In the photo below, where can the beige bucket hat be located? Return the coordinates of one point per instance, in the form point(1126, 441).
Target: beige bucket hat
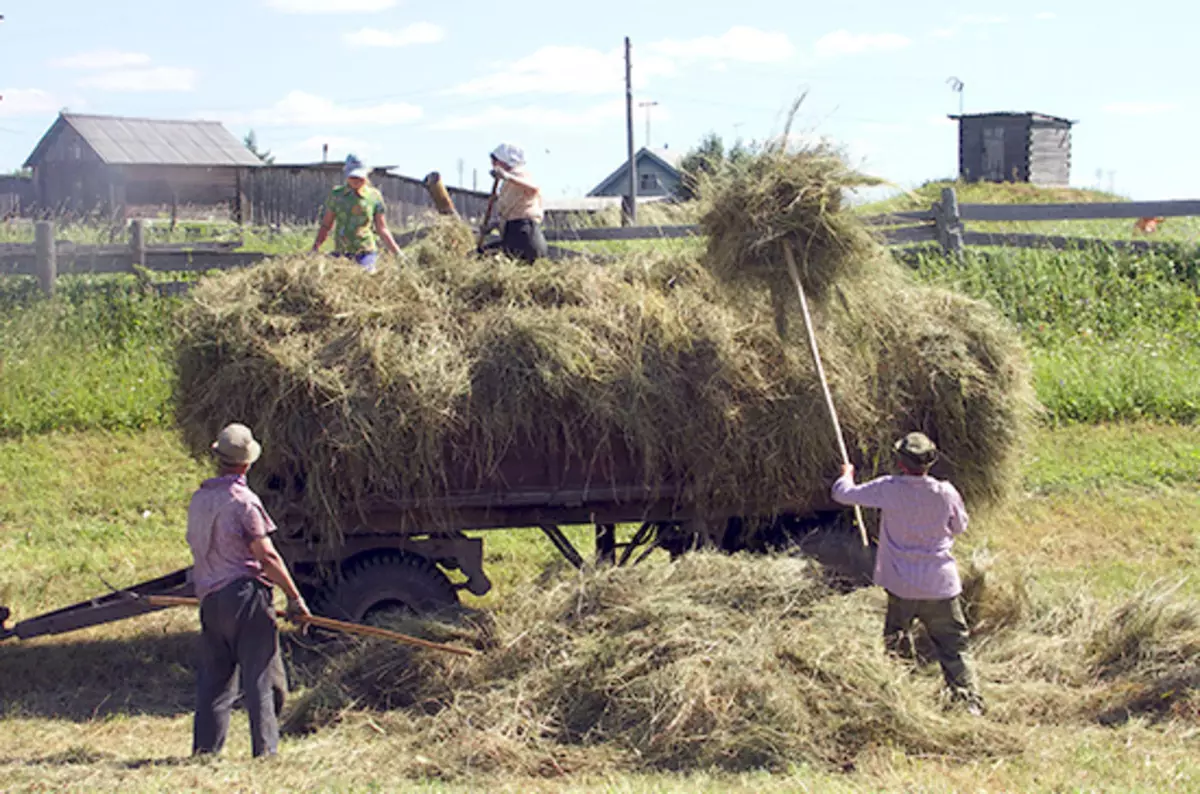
point(236, 445)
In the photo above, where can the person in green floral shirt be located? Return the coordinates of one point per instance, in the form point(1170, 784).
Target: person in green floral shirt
point(355, 212)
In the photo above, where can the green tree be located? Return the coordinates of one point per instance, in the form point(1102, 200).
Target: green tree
point(709, 158)
point(251, 141)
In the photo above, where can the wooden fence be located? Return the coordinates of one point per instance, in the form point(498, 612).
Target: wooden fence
point(943, 224)
point(283, 195)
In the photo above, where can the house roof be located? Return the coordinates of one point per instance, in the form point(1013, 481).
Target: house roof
point(1014, 114)
point(132, 141)
point(666, 158)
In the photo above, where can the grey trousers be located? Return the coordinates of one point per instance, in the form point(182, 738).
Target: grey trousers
point(947, 629)
point(238, 633)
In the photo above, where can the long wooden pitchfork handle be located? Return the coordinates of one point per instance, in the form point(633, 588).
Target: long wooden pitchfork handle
point(487, 215)
point(327, 623)
point(816, 355)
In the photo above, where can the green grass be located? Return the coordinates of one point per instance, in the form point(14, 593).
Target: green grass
point(98, 355)
point(1113, 336)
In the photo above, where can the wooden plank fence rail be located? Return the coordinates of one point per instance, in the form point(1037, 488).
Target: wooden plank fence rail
point(1078, 212)
point(942, 223)
point(47, 258)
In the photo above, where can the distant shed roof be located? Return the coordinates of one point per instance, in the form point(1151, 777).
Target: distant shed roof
point(1015, 114)
point(129, 141)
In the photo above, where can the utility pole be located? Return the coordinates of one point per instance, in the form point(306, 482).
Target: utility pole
point(460, 172)
point(629, 217)
point(647, 106)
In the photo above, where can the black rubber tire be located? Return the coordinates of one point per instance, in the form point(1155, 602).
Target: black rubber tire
point(386, 580)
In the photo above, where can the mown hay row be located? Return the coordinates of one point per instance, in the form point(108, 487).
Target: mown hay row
point(751, 662)
point(712, 662)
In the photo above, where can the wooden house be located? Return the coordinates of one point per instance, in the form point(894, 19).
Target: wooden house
point(657, 171)
point(84, 162)
point(1014, 147)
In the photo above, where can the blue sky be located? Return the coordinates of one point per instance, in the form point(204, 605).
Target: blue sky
point(422, 86)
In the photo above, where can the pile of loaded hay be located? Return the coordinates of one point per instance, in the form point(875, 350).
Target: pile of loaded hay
point(715, 662)
point(425, 377)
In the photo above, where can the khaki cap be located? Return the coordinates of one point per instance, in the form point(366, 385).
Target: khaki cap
point(235, 444)
point(917, 449)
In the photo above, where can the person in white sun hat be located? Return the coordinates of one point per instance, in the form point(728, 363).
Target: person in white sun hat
point(235, 564)
point(518, 206)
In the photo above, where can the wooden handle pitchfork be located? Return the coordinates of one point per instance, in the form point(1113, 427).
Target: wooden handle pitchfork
point(326, 623)
point(816, 354)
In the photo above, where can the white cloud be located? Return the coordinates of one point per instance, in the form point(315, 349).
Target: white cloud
point(943, 33)
point(155, 79)
point(1140, 108)
point(843, 42)
point(737, 44)
point(537, 116)
point(418, 33)
point(301, 109)
point(983, 19)
point(564, 70)
point(27, 102)
point(102, 59)
point(1045, 15)
point(330, 6)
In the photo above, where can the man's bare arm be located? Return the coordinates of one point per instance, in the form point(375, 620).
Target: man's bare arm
point(275, 569)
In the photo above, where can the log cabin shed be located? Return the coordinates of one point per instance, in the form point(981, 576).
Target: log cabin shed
point(1014, 147)
point(84, 162)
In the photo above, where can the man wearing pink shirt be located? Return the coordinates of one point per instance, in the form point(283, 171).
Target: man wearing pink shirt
point(920, 517)
point(235, 564)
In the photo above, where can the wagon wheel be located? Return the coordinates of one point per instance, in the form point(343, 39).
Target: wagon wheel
point(386, 582)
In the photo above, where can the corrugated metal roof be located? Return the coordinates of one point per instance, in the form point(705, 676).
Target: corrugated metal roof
point(129, 141)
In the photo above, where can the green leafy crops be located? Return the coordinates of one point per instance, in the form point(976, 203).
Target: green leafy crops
point(97, 355)
point(1114, 336)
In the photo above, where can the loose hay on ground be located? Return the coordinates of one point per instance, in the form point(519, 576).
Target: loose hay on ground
point(751, 662)
point(712, 662)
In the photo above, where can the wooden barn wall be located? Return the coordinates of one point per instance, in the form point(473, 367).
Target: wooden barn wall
point(1050, 154)
point(994, 149)
point(285, 195)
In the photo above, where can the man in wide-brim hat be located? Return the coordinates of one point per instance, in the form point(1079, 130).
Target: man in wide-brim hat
point(235, 565)
point(921, 515)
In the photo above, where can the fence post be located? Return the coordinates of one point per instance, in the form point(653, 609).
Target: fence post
point(137, 242)
point(47, 262)
point(949, 223)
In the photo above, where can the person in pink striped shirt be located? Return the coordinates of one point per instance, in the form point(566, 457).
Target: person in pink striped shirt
point(921, 516)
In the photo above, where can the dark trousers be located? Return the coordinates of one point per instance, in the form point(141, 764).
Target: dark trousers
point(238, 633)
point(947, 629)
point(521, 240)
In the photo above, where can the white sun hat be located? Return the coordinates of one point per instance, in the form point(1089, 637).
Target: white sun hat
point(510, 154)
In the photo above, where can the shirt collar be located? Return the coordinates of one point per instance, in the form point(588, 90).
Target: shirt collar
point(225, 480)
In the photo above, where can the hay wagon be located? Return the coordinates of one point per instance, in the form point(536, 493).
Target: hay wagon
point(402, 553)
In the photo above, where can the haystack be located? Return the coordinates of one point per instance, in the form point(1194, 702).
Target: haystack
point(733, 663)
point(426, 377)
point(749, 662)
